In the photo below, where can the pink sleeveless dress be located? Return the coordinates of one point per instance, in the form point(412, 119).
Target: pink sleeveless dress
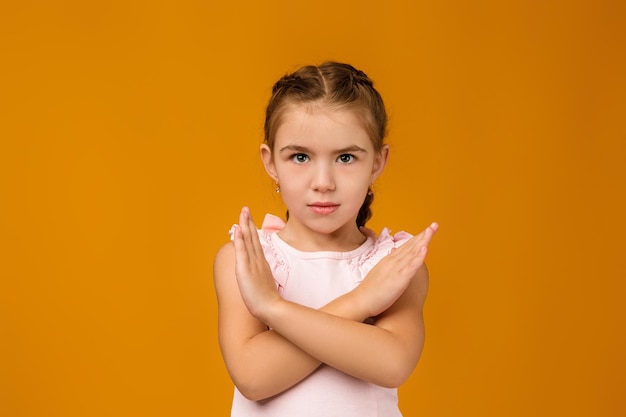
point(314, 279)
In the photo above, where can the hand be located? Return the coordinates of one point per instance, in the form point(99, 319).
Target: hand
point(388, 280)
point(254, 276)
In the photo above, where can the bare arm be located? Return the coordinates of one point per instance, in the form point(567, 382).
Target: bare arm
point(384, 354)
point(263, 363)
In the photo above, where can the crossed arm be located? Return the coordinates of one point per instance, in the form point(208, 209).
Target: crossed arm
point(263, 362)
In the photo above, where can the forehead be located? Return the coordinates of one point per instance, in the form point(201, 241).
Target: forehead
point(316, 126)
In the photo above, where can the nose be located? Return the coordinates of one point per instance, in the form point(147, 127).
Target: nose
point(323, 178)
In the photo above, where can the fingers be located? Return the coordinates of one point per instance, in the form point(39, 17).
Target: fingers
point(412, 254)
point(241, 254)
point(256, 242)
point(424, 238)
point(428, 233)
point(244, 226)
point(415, 262)
point(421, 245)
point(241, 239)
point(420, 240)
point(249, 234)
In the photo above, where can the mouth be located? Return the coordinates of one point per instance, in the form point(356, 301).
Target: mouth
point(323, 207)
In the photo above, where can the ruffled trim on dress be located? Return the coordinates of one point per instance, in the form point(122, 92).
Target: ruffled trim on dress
point(383, 245)
point(271, 225)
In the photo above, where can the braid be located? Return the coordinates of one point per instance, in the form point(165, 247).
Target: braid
point(365, 212)
point(359, 77)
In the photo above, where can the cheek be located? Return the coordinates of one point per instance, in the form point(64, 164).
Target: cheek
point(358, 180)
point(355, 188)
point(283, 174)
point(291, 186)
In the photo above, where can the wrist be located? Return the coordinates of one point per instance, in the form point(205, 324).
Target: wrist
point(273, 311)
point(354, 306)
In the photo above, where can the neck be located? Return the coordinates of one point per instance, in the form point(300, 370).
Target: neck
point(344, 239)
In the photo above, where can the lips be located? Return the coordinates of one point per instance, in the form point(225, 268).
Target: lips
point(323, 207)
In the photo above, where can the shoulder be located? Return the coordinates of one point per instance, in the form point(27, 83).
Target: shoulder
point(225, 254)
point(224, 262)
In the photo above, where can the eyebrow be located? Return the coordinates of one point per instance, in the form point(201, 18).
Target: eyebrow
point(304, 149)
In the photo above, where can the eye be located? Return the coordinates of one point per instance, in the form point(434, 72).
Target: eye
point(346, 158)
point(299, 158)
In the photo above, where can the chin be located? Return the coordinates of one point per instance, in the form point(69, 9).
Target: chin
point(329, 226)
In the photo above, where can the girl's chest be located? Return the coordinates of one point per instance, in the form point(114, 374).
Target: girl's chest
point(315, 283)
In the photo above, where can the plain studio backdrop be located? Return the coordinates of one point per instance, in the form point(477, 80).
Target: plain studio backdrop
point(129, 136)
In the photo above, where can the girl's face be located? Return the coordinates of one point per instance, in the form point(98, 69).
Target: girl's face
point(325, 162)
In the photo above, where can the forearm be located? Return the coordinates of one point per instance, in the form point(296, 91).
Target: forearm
point(264, 363)
point(261, 362)
point(367, 352)
point(269, 364)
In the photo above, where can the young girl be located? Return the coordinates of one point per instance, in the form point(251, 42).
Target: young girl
point(318, 316)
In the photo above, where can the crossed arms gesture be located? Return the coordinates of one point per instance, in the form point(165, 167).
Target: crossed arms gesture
point(263, 362)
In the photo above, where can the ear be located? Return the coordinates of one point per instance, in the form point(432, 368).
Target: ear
point(380, 161)
point(268, 161)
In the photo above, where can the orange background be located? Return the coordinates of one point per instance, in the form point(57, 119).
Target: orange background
point(128, 143)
